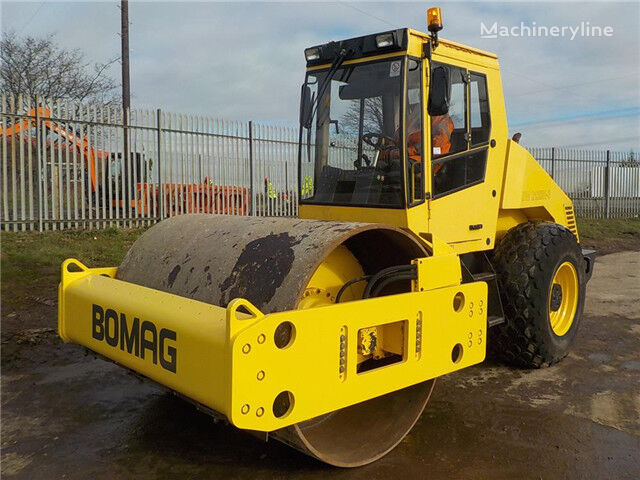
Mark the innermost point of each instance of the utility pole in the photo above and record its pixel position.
(126, 89)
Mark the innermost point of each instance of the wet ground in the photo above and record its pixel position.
(67, 415)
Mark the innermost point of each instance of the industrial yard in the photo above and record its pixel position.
(395, 242)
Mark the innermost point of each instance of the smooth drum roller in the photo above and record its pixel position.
(283, 264)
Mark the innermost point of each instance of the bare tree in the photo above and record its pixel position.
(32, 66)
(372, 118)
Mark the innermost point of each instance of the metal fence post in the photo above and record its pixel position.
(39, 162)
(160, 186)
(607, 207)
(251, 206)
(553, 163)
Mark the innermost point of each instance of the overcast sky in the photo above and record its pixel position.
(244, 60)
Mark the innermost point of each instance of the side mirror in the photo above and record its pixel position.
(305, 105)
(439, 92)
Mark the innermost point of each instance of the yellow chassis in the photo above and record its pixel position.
(228, 361)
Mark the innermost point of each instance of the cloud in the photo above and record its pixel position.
(245, 60)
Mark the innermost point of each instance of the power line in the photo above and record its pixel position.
(549, 86)
(32, 17)
(366, 13)
(531, 92)
(607, 141)
(603, 114)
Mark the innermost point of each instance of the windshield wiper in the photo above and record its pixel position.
(335, 65)
(322, 88)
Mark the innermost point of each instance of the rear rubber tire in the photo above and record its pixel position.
(526, 261)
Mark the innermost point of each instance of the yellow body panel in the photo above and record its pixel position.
(309, 368)
(228, 361)
(396, 216)
(438, 271)
(529, 190)
(202, 367)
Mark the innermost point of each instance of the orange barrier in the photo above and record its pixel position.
(182, 198)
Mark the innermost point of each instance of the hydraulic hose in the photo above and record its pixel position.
(389, 272)
(348, 284)
(389, 280)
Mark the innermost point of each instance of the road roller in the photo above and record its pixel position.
(426, 237)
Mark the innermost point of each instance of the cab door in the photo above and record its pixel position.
(460, 213)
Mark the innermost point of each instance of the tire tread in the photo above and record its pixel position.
(519, 260)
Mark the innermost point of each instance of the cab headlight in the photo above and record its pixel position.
(312, 54)
(384, 40)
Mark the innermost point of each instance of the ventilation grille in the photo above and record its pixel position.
(571, 219)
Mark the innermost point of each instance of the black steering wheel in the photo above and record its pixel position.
(376, 141)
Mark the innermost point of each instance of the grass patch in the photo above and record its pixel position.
(610, 235)
(609, 228)
(31, 260)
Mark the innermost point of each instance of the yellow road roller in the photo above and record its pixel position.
(425, 237)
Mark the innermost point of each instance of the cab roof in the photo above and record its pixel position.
(404, 39)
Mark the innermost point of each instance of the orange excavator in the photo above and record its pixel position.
(139, 194)
(74, 141)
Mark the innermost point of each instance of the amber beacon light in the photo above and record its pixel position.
(434, 19)
(434, 24)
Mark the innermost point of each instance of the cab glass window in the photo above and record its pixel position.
(479, 108)
(459, 139)
(415, 165)
(351, 151)
(459, 171)
(448, 131)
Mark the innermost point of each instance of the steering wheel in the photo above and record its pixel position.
(375, 140)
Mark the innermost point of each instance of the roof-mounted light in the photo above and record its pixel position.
(434, 24)
(312, 54)
(434, 19)
(385, 40)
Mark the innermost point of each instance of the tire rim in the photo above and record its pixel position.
(563, 298)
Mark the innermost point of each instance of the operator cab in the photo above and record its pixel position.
(396, 127)
(352, 148)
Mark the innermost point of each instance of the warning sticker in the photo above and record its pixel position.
(436, 150)
(394, 70)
